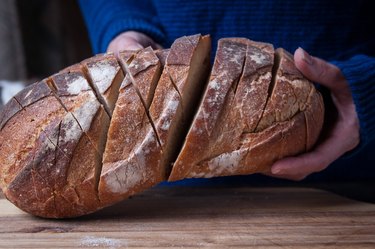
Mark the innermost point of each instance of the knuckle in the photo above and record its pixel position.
(329, 73)
(322, 71)
(336, 72)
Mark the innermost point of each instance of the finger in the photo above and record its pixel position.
(318, 70)
(133, 46)
(326, 74)
(124, 44)
(287, 177)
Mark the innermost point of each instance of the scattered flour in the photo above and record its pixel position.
(258, 58)
(172, 105)
(214, 84)
(78, 85)
(165, 125)
(102, 74)
(125, 176)
(227, 162)
(92, 241)
(86, 112)
(72, 131)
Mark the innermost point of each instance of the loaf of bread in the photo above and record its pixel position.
(111, 126)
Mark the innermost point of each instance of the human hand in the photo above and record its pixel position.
(342, 135)
(131, 40)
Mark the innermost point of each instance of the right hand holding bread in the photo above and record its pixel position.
(343, 135)
(113, 126)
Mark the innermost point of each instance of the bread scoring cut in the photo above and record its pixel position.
(105, 75)
(132, 149)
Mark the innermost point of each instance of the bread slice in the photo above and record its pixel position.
(226, 72)
(282, 121)
(132, 150)
(178, 93)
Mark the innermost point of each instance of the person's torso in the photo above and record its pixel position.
(328, 29)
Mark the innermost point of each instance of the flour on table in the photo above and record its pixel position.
(92, 241)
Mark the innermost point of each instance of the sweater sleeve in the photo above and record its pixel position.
(360, 73)
(105, 19)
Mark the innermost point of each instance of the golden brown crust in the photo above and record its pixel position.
(19, 135)
(24, 98)
(32, 149)
(54, 133)
(258, 151)
(63, 148)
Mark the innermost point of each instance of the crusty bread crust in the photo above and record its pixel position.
(132, 150)
(64, 142)
(112, 126)
(32, 174)
(244, 127)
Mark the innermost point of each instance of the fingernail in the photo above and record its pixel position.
(276, 170)
(306, 57)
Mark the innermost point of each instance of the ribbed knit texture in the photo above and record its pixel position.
(360, 73)
(340, 31)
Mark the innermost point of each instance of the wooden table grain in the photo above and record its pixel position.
(192, 217)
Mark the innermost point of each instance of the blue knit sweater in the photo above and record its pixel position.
(342, 32)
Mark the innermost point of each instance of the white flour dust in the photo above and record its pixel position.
(92, 241)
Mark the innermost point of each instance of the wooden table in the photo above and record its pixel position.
(191, 217)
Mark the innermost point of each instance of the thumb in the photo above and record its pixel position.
(134, 46)
(123, 43)
(318, 70)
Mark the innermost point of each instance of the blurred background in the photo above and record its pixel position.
(39, 38)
